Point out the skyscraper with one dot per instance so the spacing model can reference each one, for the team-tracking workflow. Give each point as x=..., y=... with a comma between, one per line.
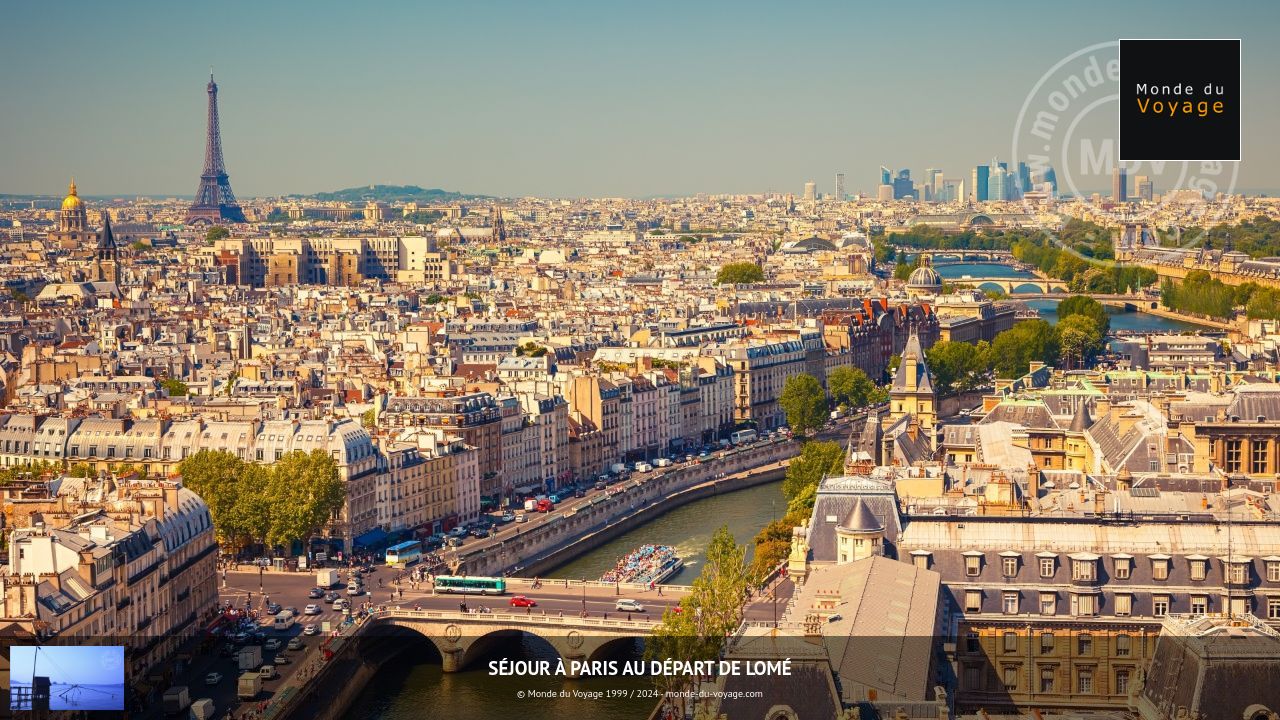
x=998, y=184
x=981, y=178
x=1051, y=177
x=1143, y=188
x=810, y=191
x=1024, y=177
x=886, y=177
x=902, y=185
x=839, y=186
x=1119, y=185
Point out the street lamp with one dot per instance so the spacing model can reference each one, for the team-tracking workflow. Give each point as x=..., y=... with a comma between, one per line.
x=584, y=597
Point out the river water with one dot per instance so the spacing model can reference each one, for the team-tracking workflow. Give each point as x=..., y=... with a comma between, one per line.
x=413, y=686
x=1130, y=320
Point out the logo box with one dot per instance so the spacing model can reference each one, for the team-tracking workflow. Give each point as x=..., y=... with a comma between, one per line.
x=1180, y=100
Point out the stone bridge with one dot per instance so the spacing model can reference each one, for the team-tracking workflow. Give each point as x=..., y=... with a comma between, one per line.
x=461, y=638
x=1014, y=286
x=941, y=257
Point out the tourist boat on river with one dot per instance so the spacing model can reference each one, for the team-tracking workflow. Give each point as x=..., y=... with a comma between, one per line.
x=646, y=564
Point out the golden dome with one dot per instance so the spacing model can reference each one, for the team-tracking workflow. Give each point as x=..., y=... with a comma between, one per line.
x=72, y=201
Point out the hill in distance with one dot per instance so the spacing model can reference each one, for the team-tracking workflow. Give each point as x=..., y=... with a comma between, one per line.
x=393, y=193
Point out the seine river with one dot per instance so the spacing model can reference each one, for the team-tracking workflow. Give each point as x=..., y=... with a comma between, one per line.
x=414, y=686
x=1130, y=320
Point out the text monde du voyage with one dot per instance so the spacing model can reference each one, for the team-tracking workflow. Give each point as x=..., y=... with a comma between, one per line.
x=1181, y=99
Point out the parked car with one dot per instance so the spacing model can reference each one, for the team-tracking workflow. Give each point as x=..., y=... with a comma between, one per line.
x=628, y=605
x=522, y=601
x=213, y=678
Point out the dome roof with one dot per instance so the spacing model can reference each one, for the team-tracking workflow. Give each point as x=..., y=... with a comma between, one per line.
x=72, y=201
x=924, y=276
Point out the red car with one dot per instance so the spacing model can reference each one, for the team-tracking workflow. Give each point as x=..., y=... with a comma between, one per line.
x=522, y=601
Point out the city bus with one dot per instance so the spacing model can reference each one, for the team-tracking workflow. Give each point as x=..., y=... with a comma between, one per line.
x=406, y=553
x=743, y=436
x=476, y=585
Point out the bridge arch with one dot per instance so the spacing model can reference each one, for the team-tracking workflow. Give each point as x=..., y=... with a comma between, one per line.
x=530, y=643
x=993, y=285
x=1026, y=287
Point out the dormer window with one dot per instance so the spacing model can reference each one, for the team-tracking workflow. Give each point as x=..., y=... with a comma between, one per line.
x=1199, y=565
x=1084, y=566
x=1160, y=567
x=972, y=563
x=1009, y=564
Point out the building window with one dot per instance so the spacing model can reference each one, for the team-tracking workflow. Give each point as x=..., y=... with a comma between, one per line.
x=1238, y=573
x=1082, y=570
x=972, y=600
x=1084, y=681
x=1160, y=605
x=1123, y=644
x=1046, y=680
x=1048, y=603
x=1082, y=605
x=1199, y=568
x=1122, y=681
x=1046, y=643
x=1258, y=462
x=1011, y=673
x=1010, y=566
x=973, y=677
x=1122, y=568
x=1046, y=567
x=1239, y=605
x=971, y=642
x=1010, y=641
x=1010, y=600
x=1273, y=571
x=1199, y=604
x=1084, y=643
x=972, y=565
x=1124, y=605
x=1233, y=456
x=1160, y=569
x=921, y=561
x=1273, y=608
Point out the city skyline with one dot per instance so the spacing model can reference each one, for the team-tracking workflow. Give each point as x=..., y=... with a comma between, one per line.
x=567, y=101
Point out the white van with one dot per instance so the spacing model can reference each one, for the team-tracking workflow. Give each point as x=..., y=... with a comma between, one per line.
x=284, y=620
x=354, y=588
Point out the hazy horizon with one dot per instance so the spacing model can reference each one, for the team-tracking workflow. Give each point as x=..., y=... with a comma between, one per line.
x=563, y=100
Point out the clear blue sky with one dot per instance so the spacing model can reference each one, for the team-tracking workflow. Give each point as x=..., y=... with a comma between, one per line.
x=558, y=98
x=89, y=665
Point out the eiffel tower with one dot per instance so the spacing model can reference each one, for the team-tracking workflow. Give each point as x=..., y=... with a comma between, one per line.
x=214, y=200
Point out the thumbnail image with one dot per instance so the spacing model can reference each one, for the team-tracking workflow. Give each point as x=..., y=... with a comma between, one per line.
x=44, y=678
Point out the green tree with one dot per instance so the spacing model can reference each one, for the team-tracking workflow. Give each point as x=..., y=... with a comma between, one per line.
x=81, y=470
x=1080, y=339
x=742, y=273
x=958, y=365
x=175, y=387
x=1088, y=307
x=815, y=461
x=215, y=233
x=773, y=544
x=435, y=299
x=368, y=418
x=304, y=491
x=804, y=402
x=1015, y=348
x=851, y=387
x=225, y=484
x=710, y=613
